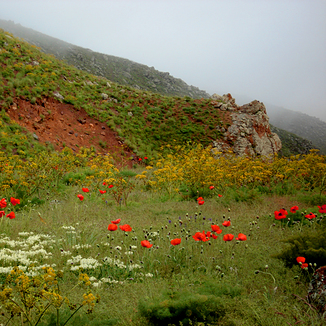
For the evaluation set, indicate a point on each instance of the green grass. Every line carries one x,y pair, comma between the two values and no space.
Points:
176,276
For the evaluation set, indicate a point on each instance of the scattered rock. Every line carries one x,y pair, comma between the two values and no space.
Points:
103,133
35,136
58,95
104,96
82,121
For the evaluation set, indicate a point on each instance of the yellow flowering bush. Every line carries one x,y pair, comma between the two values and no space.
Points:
27,298
198,167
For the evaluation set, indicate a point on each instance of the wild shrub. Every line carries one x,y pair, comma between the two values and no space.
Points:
182,308
310,243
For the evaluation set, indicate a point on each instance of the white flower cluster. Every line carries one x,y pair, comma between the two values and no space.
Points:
24,252
118,263
69,228
78,262
81,246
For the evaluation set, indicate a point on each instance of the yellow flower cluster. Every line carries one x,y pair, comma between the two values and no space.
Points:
201,167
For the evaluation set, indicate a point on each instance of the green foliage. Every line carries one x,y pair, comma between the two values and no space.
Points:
312,199
206,305
245,194
310,244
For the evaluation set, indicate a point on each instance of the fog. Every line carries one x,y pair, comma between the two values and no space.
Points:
270,50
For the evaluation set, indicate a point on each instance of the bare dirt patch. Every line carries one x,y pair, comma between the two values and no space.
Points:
64,126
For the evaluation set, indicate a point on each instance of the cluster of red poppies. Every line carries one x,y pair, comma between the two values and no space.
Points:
202,236
3,204
113,226
302,262
81,197
282,213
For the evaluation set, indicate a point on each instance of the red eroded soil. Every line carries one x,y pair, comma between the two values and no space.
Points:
63,125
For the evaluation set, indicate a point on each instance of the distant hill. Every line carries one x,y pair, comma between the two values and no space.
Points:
119,70
300,124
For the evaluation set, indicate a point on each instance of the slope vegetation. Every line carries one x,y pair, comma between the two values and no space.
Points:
119,70
141,120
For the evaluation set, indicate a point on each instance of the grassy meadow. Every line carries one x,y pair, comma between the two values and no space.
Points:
150,246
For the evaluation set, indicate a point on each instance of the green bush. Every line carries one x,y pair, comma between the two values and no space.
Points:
206,304
310,244
183,309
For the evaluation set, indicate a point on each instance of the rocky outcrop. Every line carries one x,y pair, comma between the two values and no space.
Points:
249,132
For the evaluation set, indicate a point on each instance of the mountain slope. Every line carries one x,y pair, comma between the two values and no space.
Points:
142,121
119,70
301,124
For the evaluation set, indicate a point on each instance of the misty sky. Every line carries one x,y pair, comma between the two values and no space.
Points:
270,50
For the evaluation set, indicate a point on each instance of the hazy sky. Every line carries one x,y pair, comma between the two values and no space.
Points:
270,50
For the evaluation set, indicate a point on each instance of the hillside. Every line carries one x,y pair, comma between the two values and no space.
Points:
143,122
119,70
301,124
126,72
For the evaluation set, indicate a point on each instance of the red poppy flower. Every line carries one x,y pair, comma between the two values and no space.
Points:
112,227
216,229
294,209
214,236
175,242
2,213
14,201
228,237
304,265
3,203
208,234
116,221
310,216
200,198
279,215
301,260
85,189
11,215
146,244
226,223
140,159
284,212
322,209
201,202
219,195
200,236
145,158
241,237
104,184
81,197
211,187
110,186
102,191
125,227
